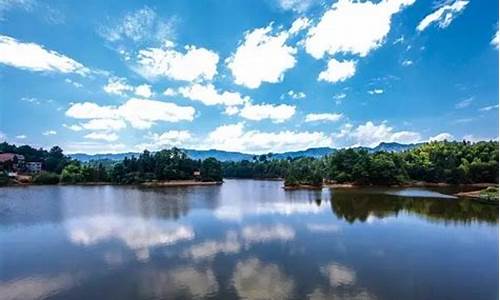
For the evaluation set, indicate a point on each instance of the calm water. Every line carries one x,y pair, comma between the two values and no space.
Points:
244,239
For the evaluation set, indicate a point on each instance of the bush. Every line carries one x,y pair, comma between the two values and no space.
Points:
46,178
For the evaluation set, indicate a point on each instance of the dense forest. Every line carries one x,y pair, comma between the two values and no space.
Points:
449,162
172,164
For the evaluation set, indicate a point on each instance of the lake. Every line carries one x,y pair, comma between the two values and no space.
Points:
245,239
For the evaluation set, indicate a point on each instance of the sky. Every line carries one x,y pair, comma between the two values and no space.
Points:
251,76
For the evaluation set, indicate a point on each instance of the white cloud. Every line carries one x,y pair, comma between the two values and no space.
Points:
21,137
143,90
140,113
338,70
194,64
49,132
117,86
277,113
261,57
298,6
89,110
352,27
442,136
233,137
104,124
407,62
141,25
339,96
299,25
330,117
168,139
208,95
105,136
464,103
496,39
92,147
231,110
74,83
296,95
488,108
376,92
73,127
370,134
444,15
169,92
34,57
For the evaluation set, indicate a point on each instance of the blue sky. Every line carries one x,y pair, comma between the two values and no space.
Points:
251,76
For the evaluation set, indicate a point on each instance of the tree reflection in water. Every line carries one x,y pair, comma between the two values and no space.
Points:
359,206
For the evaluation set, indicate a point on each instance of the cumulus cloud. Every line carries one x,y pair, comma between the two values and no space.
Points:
140,25
444,15
168,139
277,113
103,124
442,136
117,86
233,137
143,90
352,27
140,113
371,134
338,70
34,57
261,57
330,117
191,65
299,25
209,95
104,136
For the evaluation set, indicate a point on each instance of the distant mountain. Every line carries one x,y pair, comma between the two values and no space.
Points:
394,147
237,156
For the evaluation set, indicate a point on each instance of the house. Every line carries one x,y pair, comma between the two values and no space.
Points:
11,161
33,167
197,175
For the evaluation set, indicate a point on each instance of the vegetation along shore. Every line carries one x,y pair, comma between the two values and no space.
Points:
429,164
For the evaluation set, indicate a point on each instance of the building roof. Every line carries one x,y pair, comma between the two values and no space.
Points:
10,156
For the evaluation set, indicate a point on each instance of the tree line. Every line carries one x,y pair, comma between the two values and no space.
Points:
448,162
168,164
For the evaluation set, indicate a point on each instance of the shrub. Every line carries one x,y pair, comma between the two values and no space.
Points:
46,178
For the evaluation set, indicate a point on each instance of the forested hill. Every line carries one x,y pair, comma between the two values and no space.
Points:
238,156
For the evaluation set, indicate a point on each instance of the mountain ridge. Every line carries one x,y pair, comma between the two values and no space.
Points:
223,155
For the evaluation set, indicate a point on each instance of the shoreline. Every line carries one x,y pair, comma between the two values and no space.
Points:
170,183
403,185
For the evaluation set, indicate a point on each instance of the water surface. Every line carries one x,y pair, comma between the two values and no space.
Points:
245,239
